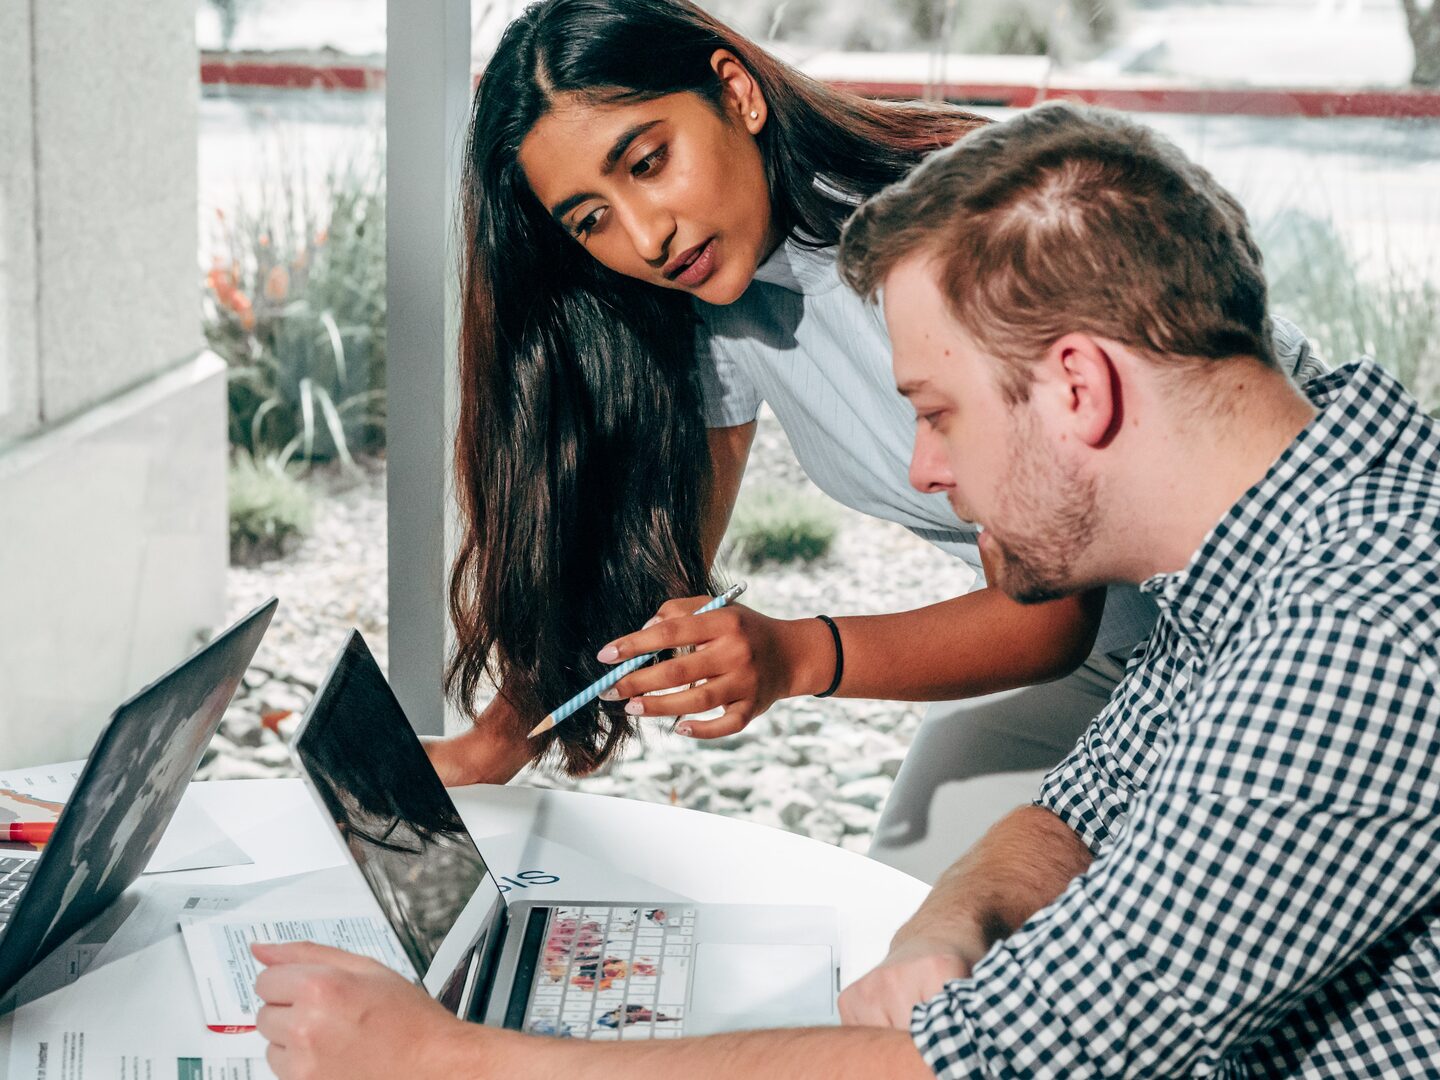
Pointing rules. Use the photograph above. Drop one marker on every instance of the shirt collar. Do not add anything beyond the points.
(800, 269)
(1362, 411)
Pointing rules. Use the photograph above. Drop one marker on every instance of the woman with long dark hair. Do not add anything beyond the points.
(650, 208)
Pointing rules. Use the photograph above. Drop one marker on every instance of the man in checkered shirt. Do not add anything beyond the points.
(1236, 871)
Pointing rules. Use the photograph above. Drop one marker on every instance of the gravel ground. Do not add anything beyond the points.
(821, 768)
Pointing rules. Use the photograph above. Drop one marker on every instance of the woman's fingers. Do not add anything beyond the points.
(671, 634)
(714, 694)
(732, 722)
(680, 671)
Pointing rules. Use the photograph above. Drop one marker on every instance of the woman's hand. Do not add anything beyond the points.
(744, 662)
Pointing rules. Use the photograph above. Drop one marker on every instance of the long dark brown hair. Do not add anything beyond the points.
(581, 460)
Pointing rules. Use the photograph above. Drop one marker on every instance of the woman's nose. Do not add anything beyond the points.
(652, 230)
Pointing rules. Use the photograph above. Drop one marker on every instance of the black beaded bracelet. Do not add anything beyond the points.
(839, 656)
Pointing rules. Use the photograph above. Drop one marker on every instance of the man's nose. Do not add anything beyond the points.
(929, 466)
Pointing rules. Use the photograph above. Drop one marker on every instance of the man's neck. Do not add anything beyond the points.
(1188, 470)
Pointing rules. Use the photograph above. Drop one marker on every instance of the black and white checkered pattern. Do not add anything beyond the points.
(1262, 794)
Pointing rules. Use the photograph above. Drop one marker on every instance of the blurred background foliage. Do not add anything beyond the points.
(294, 302)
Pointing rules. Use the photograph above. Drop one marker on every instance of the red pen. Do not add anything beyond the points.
(26, 832)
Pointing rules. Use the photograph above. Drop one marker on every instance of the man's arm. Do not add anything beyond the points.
(330, 1013)
(1019, 866)
(1260, 862)
(794, 1054)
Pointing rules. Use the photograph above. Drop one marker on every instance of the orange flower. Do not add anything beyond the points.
(222, 284)
(240, 304)
(277, 284)
(264, 240)
(321, 236)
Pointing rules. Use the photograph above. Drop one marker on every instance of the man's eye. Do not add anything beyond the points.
(650, 162)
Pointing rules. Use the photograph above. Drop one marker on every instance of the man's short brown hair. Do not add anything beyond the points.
(1067, 218)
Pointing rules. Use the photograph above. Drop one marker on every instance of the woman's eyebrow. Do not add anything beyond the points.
(628, 136)
(617, 151)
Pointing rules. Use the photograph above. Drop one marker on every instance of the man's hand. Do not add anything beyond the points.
(1022, 864)
(915, 971)
(744, 662)
(330, 1013)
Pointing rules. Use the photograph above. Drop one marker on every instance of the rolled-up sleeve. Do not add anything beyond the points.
(1288, 830)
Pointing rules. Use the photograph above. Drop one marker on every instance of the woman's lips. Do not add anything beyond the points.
(698, 270)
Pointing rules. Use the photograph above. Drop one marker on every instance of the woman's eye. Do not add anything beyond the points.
(650, 162)
(586, 225)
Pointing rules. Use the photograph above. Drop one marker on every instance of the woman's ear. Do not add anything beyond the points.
(742, 96)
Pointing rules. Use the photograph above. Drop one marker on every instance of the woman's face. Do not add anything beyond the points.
(666, 191)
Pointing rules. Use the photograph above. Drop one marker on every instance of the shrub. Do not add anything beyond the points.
(295, 305)
(1392, 315)
(270, 510)
(775, 524)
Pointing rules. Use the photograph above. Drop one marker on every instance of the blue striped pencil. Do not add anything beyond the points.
(595, 689)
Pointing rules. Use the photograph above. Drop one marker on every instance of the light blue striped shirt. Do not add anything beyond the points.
(819, 355)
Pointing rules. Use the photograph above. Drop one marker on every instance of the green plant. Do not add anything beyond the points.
(270, 510)
(775, 524)
(295, 304)
(1392, 315)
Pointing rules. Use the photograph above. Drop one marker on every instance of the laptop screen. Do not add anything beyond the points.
(126, 795)
(376, 783)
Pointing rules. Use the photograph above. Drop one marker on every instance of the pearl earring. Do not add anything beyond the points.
(754, 114)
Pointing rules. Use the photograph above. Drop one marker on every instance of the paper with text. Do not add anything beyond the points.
(225, 970)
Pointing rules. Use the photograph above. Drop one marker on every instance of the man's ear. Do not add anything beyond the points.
(742, 93)
(1082, 387)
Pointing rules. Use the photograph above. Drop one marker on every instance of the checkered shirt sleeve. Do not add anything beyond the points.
(1290, 825)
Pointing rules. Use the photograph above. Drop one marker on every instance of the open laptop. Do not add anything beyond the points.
(124, 798)
(579, 968)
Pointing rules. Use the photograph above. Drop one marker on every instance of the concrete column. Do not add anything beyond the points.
(427, 94)
(113, 515)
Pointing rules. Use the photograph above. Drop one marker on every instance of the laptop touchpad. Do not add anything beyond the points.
(759, 986)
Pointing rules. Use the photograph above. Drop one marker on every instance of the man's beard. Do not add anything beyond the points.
(1054, 508)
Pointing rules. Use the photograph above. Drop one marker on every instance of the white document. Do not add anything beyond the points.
(192, 840)
(530, 867)
(70, 1053)
(51, 783)
(225, 970)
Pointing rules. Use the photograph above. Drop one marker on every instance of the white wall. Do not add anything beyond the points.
(113, 524)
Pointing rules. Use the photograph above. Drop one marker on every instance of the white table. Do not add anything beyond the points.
(700, 856)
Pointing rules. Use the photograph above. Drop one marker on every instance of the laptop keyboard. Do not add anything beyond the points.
(14, 876)
(614, 973)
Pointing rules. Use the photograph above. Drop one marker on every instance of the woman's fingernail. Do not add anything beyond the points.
(634, 708)
(610, 695)
(651, 623)
(684, 729)
(608, 655)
